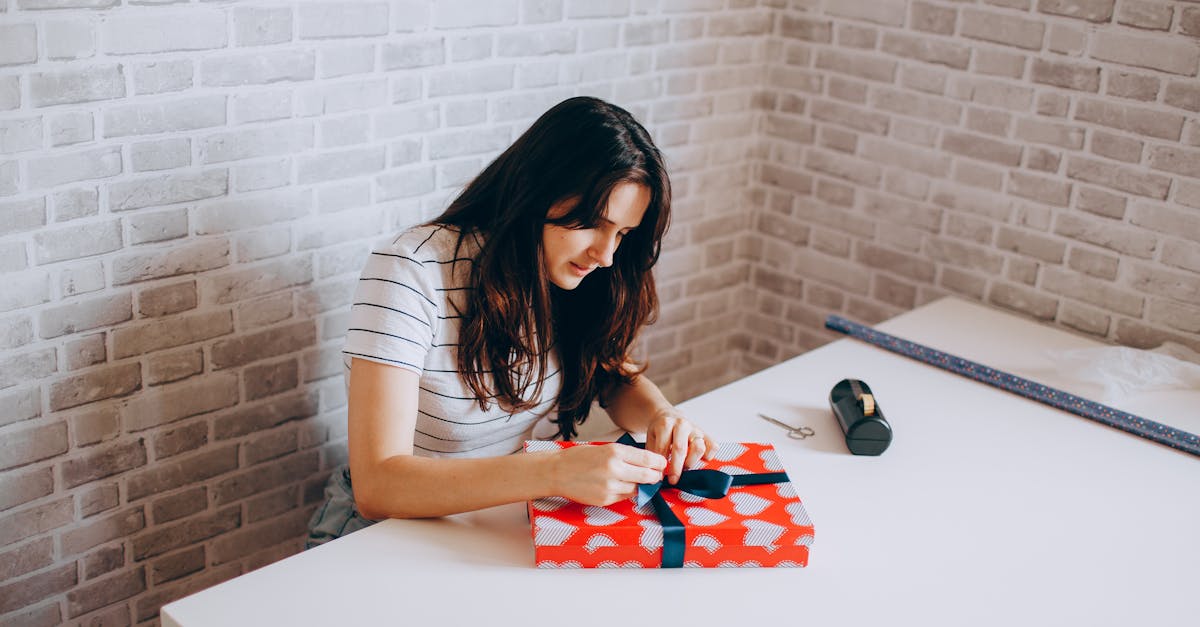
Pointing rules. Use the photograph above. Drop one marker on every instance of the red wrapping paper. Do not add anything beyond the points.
(753, 526)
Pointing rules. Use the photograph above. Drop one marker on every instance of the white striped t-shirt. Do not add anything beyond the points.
(406, 313)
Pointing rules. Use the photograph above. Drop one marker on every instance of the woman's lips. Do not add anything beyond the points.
(580, 270)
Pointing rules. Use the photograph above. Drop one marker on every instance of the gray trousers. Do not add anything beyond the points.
(338, 516)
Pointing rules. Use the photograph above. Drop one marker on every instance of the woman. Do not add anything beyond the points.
(517, 305)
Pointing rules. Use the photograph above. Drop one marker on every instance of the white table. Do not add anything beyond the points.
(988, 509)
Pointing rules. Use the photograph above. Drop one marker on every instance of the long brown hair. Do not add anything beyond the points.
(579, 149)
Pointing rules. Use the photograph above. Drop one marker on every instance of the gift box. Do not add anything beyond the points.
(737, 510)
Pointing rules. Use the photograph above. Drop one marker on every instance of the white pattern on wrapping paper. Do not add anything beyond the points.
(598, 541)
(707, 542)
(704, 517)
(728, 451)
(761, 532)
(732, 564)
(645, 509)
(771, 460)
(535, 446)
(735, 470)
(787, 564)
(652, 535)
(566, 564)
(688, 497)
(748, 504)
(799, 514)
(805, 540)
(614, 564)
(550, 503)
(601, 516)
(786, 490)
(551, 531)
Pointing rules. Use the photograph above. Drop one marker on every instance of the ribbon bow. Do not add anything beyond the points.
(705, 483)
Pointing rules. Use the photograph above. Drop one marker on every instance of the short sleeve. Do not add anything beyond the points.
(395, 308)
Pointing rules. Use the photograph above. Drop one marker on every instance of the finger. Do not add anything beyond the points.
(710, 447)
(634, 475)
(679, 449)
(696, 449)
(613, 491)
(658, 436)
(643, 458)
(625, 490)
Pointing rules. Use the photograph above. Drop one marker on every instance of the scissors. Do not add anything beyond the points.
(795, 433)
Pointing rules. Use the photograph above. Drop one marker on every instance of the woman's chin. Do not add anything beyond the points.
(568, 284)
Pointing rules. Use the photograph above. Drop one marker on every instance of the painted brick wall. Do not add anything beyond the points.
(1041, 156)
(188, 190)
(187, 194)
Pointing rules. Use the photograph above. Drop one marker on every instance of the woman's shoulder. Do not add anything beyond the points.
(428, 244)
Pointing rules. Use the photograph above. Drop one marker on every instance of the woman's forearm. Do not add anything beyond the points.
(390, 482)
(406, 486)
(641, 407)
(634, 406)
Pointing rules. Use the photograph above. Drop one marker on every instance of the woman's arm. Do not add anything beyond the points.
(390, 482)
(641, 407)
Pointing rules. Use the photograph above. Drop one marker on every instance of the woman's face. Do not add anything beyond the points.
(571, 254)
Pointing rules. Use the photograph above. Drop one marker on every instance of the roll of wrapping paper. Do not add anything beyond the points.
(1149, 429)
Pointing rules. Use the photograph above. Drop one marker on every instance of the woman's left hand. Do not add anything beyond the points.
(683, 444)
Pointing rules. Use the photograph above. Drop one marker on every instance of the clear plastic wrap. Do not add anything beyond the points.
(1122, 372)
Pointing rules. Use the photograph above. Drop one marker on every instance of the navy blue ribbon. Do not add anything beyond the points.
(706, 483)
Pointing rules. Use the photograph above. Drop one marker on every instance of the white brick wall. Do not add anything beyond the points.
(1031, 155)
(187, 194)
(188, 190)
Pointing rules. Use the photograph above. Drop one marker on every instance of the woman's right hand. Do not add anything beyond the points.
(605, 473)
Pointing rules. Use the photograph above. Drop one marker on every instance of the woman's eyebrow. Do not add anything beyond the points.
(623, 228)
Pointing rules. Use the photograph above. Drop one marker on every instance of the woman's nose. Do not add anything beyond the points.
(602, 250)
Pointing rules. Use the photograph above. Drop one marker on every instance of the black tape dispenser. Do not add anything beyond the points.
(867, 431)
